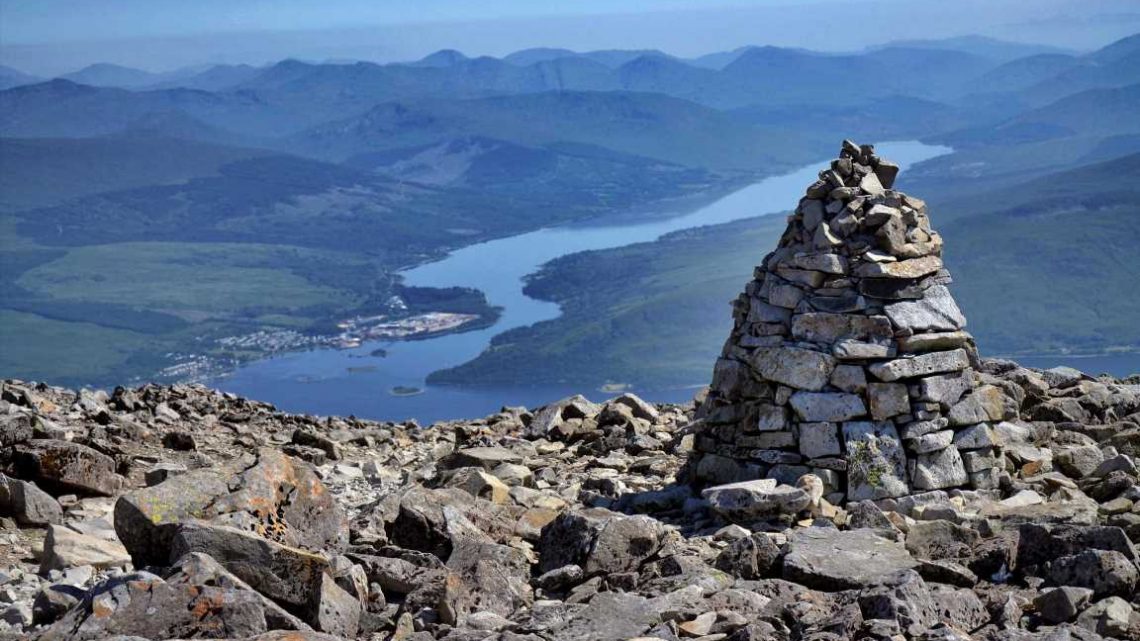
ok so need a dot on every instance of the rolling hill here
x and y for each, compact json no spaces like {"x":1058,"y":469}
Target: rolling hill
{"x":650,"y":125}
{"x":40,"y":172}
{"x":1045,"y":265}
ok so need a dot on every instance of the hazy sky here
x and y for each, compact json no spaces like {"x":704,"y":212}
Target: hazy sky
{"x":53,"y":36}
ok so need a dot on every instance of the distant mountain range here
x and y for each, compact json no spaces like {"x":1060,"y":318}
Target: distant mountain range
{"x":237,"y":174}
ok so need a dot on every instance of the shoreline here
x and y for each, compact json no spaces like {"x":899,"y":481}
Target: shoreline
{"x":661,"y":209}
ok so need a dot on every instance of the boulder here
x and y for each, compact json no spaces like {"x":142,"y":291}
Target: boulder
{"x":749,"y":558}
{"x":829,"y":559}
{"x":279,"y":498}
{"x":28,"y":504}
{"x":480,"y":484}
{"x":599,"y":541}
{"x":199,"y":599}
{"x":1058,"y":605}
{"x":65,"y":548}
{"x":491,"y":578}
{"x":290,"y":576}
{"x":433,"y":520}
{"x":487,"y":458}
{"x":902,"y":597}
{"x":609,"y":616}
{"x":1105,"y":572}
{"x":63,"y":466}
{"x":750,"y":500}
{"x":1110,"y":617}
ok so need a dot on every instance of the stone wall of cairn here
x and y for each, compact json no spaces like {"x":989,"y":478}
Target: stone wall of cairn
{"x":848,"y":356}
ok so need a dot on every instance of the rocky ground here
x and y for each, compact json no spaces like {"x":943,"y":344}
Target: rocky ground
{"x":180,"y":512}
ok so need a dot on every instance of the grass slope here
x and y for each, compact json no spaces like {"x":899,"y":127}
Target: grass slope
{"x":40,"y":172}
{"x":1046,"y":265}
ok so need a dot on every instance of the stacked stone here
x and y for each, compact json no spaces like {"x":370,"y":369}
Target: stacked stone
{"x":848,"y":357}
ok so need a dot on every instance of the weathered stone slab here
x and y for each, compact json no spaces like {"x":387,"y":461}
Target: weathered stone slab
{"x":936,"y":311}
{"x":876,"y":462}
{"x":940,"y":469}
{"x":829,"y":559}
{"x":887,"y":400}
{"x":761,"y":312}
{"x":771,"y":418}
{"x":987,"y":403}
{"x":827,"y":263}
{"x":796,"y":367}
{"x":821,"y":327}
{"x":819,"y":439}
{"x":751,"y":500}
{"x":921,"y":365}
{"x":827,"y":406}
{"x":65,"y":548}
{"x":933,"y":341}
{"x":849,"y":378}
{"x":851,"y":350}
{"x":944,"y":389}
{"x":908,"y":269}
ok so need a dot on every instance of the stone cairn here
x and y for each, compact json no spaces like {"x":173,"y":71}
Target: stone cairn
{"x":848,"y":358}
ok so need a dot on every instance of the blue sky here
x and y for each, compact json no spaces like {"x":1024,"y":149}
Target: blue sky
{"x":48,"y":37}
{"x":39,"y":21}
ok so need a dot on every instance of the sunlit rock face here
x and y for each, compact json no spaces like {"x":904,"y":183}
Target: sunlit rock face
{"x":848,"y":357}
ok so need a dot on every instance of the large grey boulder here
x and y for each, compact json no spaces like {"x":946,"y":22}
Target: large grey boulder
{"x":63,"y":466}
{"x":279,"y":498}
{"x":290,"y":576}
{"x":65,"y":548}
{"x":198,"y":599}
{"x":1105,"y":572}
{"x":492,"y":578}
{"x":828,"y":559}
{"x":28,"y":504}
{"x":902,"y":597}
{"x":751,"y":500}
{"x":749,"y":558}
{"x":435,"y":520}
{"x":610,"y":616}
{"x":599,"y":541}
{"x":1058,"y":605}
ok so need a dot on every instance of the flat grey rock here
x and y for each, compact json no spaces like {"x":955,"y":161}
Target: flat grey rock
{"x":828,"y":559}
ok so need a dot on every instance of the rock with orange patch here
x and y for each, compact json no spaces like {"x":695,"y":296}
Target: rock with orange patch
{"x":63,"y":466}
{"x":146,"y":519}
{"x":290,"y":576}
{"x":279,"y":498}
{"x":199,"y":600}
